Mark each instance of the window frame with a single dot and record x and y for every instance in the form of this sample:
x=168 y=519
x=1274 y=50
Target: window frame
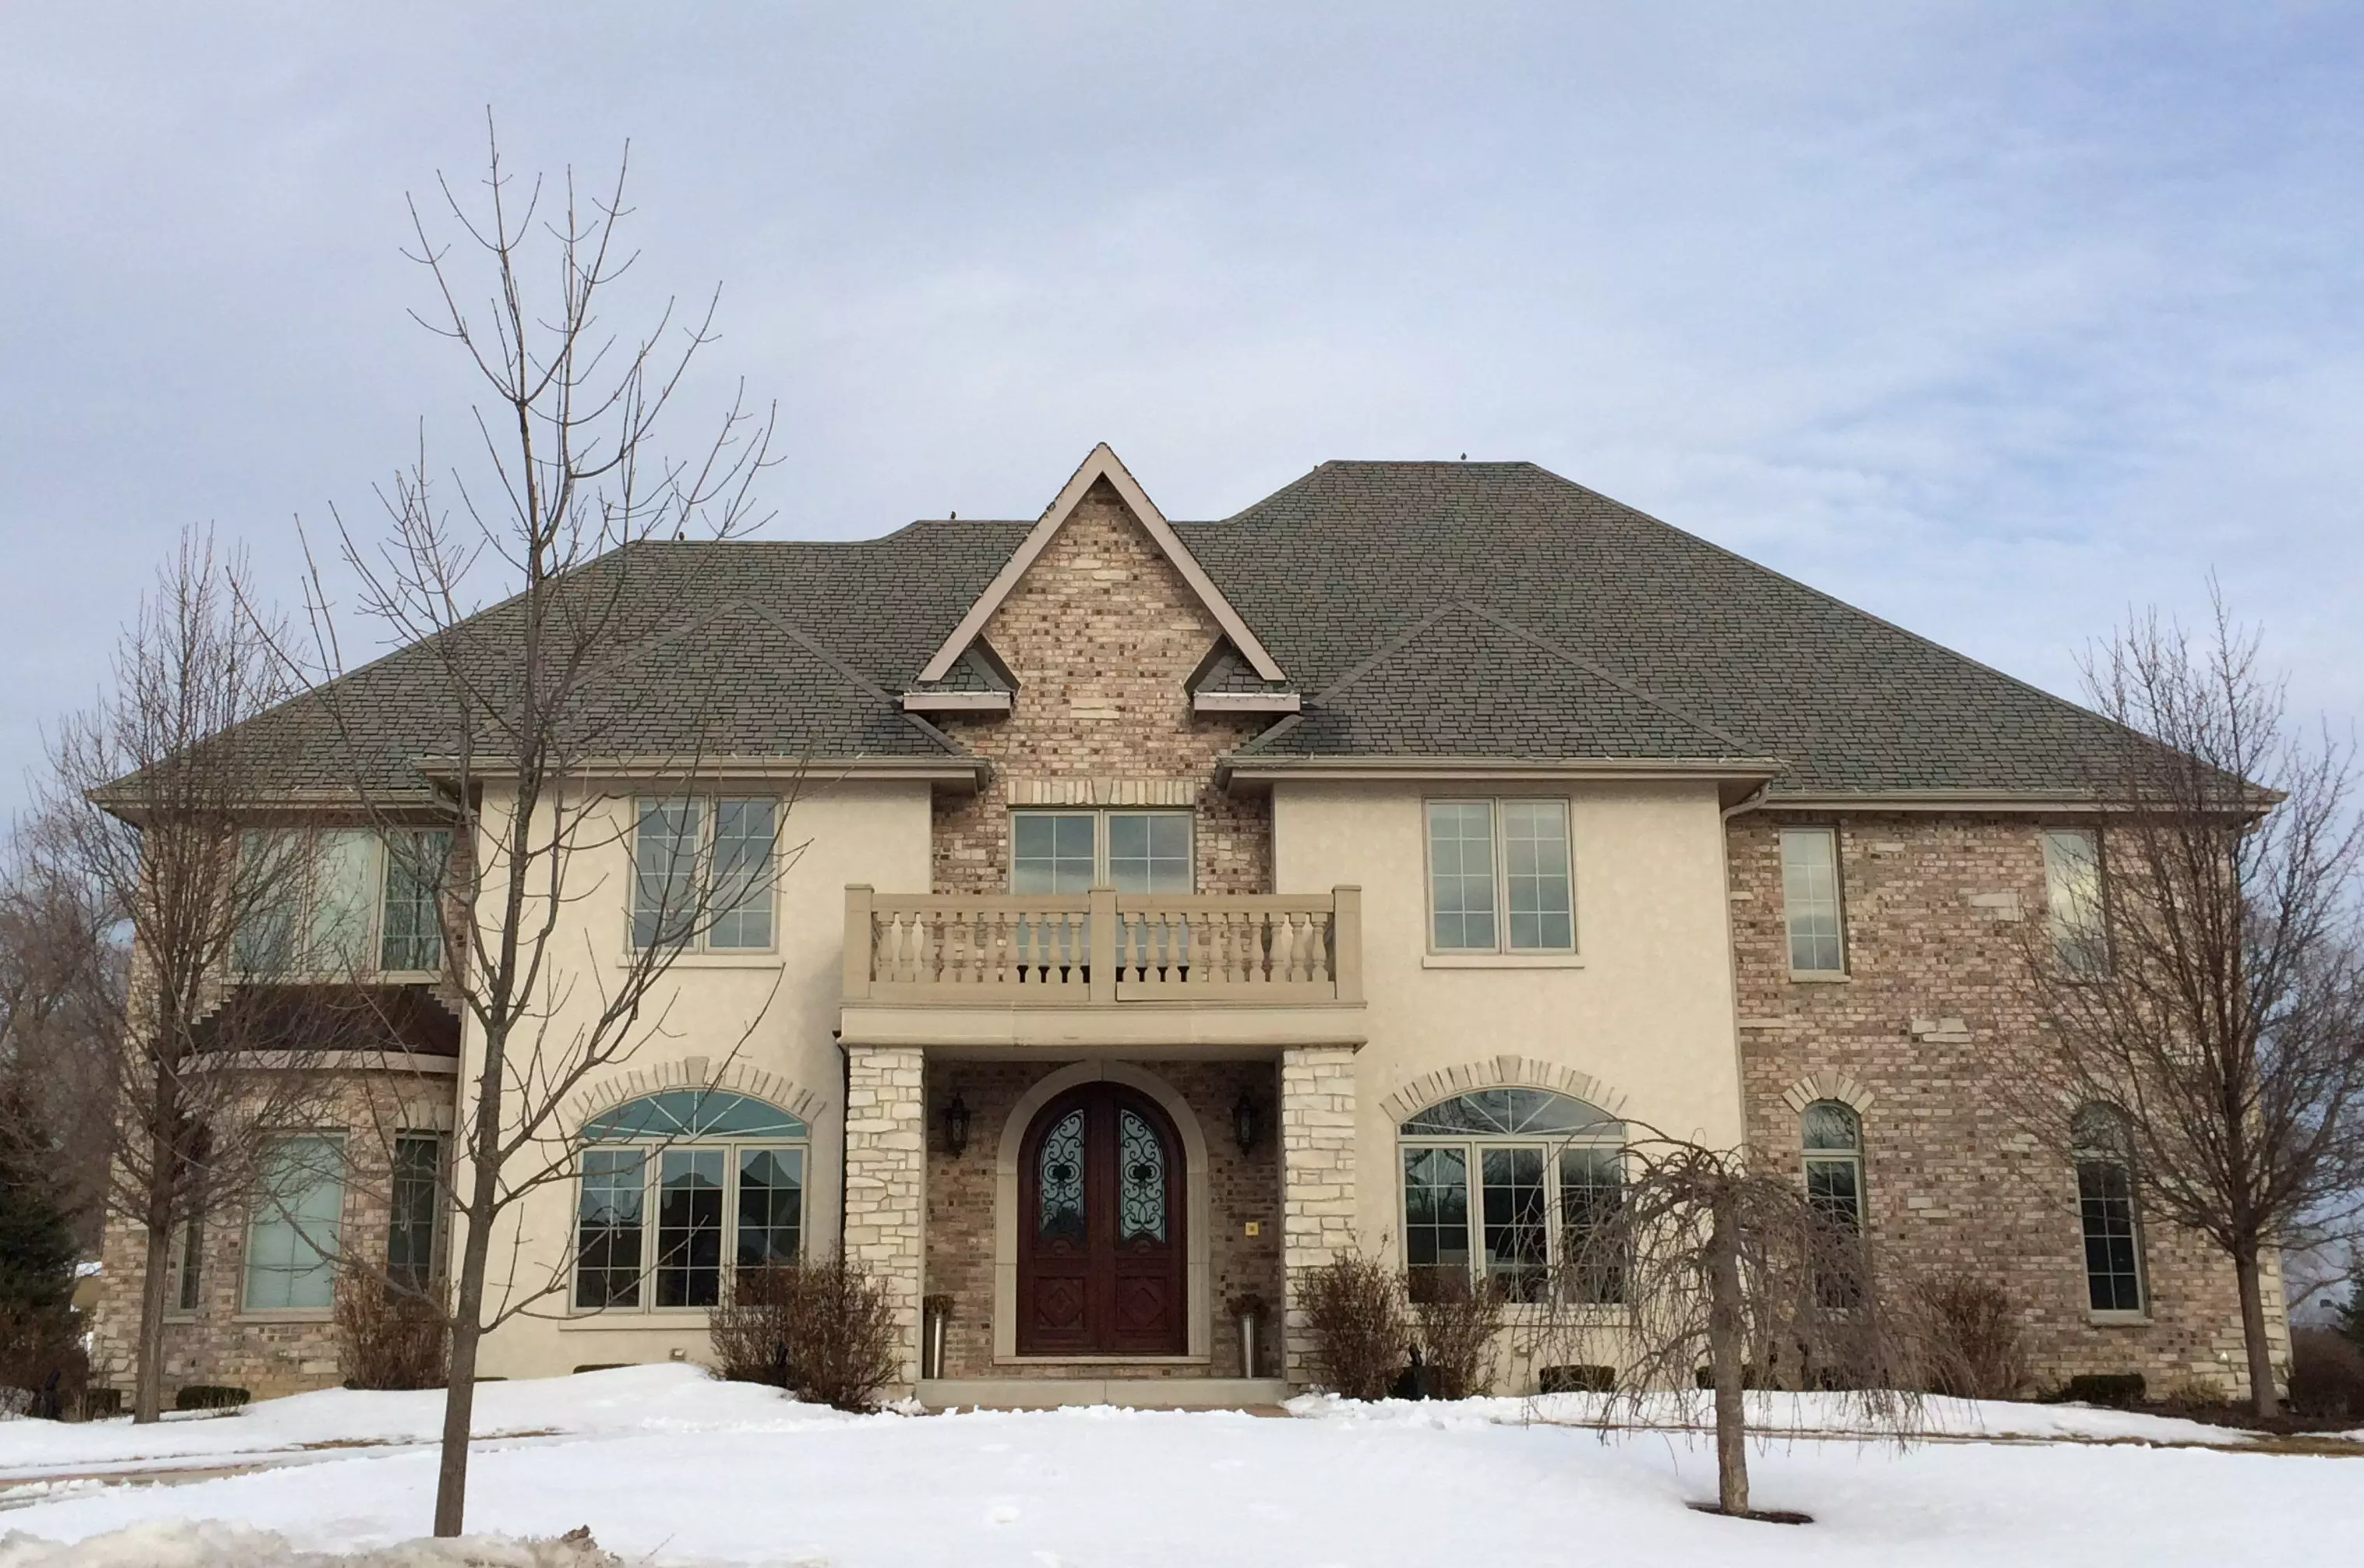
x=1101 y=816
x=1472 y=1147
x=2090 y=1153
x=2063 y=937
x=438 y=1178
x=652 y=1151
x=370 y=939
x=1503 y=946
x=704 y=859
x=1855 y=1157
x=329 y=1259
x=1829 y=834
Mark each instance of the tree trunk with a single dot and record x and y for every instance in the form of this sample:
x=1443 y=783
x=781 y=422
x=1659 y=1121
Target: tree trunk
x=1724 y=1321
x=2251 y=1281
x=148 y=1353
x=459 y=1411
x=467 y=1309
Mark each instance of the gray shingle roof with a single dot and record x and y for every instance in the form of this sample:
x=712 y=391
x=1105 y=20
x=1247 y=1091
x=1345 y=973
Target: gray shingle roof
x=1467 y=609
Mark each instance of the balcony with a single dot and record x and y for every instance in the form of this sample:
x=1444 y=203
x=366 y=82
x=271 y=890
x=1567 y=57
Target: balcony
x=1105 y=967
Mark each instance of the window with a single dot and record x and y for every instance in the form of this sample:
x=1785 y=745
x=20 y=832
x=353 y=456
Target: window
x=292 y=1235
x=1810 y=900
x=1059 y=852
x=1547 y=1173
x=1507 y=892
x=2105 y=1206
x=2072 y=893
x=671 y=842
x=347 y=901
x=415 y=1210
x=721 y=1173
x=1834 y=1139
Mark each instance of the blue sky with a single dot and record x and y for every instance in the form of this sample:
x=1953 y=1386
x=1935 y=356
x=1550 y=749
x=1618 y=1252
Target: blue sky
x=1993 y=320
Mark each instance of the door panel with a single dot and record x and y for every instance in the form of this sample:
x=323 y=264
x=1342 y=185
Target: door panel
x=1100 y=1259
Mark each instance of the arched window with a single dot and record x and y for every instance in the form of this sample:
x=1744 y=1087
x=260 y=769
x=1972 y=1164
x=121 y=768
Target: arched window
x=1833 y=1136
x=722 y=1172
x=2105 y=1209
x=1509 y=1183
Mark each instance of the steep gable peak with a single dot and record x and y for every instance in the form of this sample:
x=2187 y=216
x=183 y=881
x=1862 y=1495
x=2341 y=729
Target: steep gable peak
x=1102 y=466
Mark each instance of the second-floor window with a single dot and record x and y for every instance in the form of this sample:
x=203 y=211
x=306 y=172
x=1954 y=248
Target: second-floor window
x=1499 y=879
x=702 y=872
x=1810 y=900
x=1075 y=852
x=2072 y=894
x=347 y=901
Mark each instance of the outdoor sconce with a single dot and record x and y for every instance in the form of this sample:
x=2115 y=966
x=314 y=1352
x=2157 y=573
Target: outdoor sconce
x=956 y=1126
x=1246 y=1122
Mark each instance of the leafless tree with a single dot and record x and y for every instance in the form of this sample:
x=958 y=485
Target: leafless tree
x=2201 y=974
x=524 y=737
x=155 y=815
x=1706 y=1275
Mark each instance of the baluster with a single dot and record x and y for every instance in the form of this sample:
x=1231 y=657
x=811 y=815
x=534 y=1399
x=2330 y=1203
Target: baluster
x=1323 y=969
x=1296 y=971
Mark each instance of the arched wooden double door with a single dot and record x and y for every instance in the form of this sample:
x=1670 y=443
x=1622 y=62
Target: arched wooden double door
x=1100 y=1263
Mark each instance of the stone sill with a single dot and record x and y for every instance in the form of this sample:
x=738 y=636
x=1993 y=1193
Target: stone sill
x=323 y=1316
x=1500 y=961
x=2118 y=1320
x=767 y=960
x=1818 y=977
x=672 y=1318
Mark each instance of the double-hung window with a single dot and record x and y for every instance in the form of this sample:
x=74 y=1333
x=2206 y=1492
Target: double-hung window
x=344 y=901
x=1075 y=852
x=1511 y=1185
x=2105 y=1210
x=702 y=872
x=295 y=1226
x=2073 y=897
x=1810 y=911
x=679 y=1191
x=1499 y=877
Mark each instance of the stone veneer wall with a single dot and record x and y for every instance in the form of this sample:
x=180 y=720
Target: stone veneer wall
x=1317 y=1143
x=219 y=1341
x=1103 y=636
x=1241 y=1189
x=1921 y=1035
x=885 y=1160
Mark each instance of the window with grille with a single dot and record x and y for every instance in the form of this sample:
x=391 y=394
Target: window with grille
x=1499 y=877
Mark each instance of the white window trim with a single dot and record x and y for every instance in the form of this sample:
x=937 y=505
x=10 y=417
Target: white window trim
x=1858 y=1157
x=1099 y=816
x=653 y=1151
x=1501 y=955
x=2112 y=1316
x=696 y=953
x=1846 y=971
x=1472 y=1146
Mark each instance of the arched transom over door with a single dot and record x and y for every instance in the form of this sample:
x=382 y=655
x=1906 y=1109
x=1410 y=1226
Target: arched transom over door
x=1101 y=1265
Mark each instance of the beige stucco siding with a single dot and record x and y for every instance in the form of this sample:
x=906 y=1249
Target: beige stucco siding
x=768 y=1017
x=1645 y=1008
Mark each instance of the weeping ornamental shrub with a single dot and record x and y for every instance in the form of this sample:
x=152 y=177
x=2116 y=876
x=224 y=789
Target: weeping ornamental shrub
x=824 y=1330
x=1354 y=1312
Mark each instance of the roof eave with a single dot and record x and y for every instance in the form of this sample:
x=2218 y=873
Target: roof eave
x=1735 y=777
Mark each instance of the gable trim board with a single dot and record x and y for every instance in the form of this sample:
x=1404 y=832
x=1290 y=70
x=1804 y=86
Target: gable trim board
x=1102 y=465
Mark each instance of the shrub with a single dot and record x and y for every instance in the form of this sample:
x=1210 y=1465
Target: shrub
x=1354 y=1313
x=2326 y=1376
x=1454 y=1322
x=825 y=1331
x=210 y=1396
x=1577 y=1380
x=42 y=1359
x=1969 y=1338
x=2118 y=1390
x=389 y=1338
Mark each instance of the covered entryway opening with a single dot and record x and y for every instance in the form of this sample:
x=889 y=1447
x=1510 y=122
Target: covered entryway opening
x=1102 y=1265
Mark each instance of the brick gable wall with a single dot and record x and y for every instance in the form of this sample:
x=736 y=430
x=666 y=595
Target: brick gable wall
x=1952 y=1184
x=1103 y=636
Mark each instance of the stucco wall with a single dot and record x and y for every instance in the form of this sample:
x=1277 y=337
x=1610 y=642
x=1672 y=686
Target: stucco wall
x=763 y=1022
x=1643 y=1008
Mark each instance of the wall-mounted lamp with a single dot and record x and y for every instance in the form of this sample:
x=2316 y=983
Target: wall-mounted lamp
x=1247 y=1121
x=956 y=1126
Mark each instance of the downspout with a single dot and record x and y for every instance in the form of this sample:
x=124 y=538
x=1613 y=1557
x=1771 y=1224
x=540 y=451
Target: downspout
x=844 y=1099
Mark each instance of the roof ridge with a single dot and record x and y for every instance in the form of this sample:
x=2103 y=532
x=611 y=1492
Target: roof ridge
x=1642 y=692
x=856 y=678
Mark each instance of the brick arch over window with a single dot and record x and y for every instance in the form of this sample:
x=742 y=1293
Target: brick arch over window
x=1828 y=1085
x=700 y=1073
x=1497 y=1071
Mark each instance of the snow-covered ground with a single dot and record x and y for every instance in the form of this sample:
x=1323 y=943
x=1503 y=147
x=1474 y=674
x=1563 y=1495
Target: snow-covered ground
x=667 y=1467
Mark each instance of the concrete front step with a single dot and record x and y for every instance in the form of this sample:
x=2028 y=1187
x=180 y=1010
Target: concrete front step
x=1134 y=1393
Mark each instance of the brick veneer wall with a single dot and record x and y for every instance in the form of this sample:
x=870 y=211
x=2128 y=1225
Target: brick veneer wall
x=218 y=1343
x=1241 y=1189
x=1923 y=1030
x=1103 y=636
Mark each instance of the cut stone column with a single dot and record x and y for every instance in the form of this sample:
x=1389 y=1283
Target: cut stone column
x=886 y=1196
x=1317 y=1182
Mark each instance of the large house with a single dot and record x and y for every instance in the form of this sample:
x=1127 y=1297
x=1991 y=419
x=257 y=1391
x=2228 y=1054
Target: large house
x=1184 y=904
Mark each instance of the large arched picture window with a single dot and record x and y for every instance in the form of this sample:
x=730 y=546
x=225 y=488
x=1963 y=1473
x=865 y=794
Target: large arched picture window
x=723 y=1177
x=1510 y=1184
